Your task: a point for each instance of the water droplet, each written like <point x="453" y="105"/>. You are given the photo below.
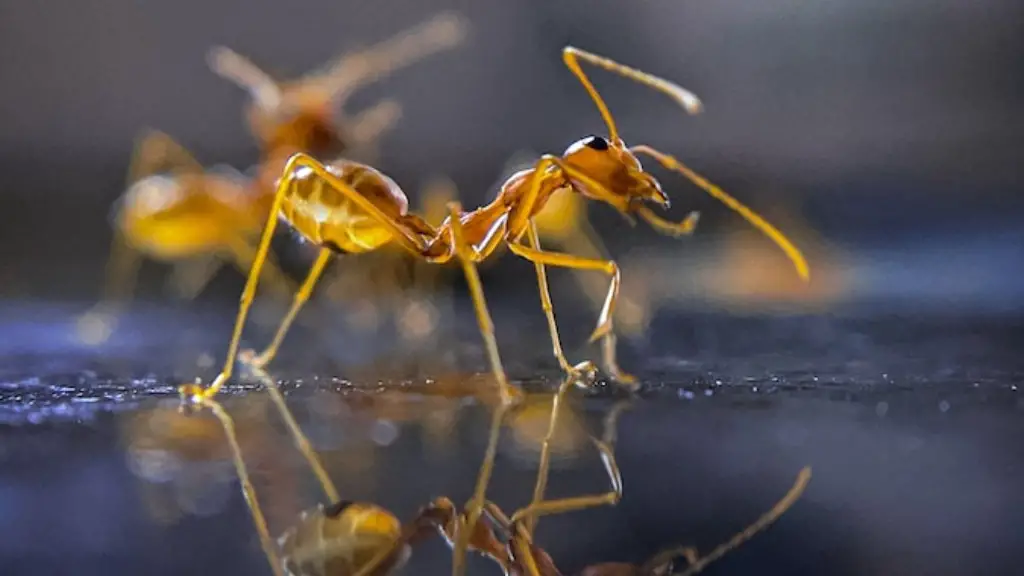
<point x="881" y="409"/>
<point x="943" y="406"/>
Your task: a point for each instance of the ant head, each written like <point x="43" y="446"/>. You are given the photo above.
<point x="611" y="173"/>
<point x="340" y="539"/>
<point x="300" y="120"/>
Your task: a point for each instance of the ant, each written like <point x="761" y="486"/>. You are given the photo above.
<point x="364" y="539"/>
<point x="349" y="208"/>
<point x="174" y="210"/>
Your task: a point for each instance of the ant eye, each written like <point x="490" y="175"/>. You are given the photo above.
<point x="596" y="143"/>
<point x="335" y="510"/>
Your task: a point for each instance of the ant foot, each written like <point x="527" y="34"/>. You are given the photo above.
<point x="584" y="374"/>
<point x="191" y="395"/>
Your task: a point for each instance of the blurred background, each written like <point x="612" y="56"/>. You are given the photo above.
<point x="883" y="137"/>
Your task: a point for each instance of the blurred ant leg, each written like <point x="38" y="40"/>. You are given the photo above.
<point x="368" y="125"/>
<point x="243" y="255"/>
<point x="564" y="505"/>
<point x="671" y="163"/>
<point x="238" y="69"/>
<point x="95" y="326"/>
<point x="474" y="508"/>
<point x="698" y="563"/>
<point x="354" y="70"/>
<point x="301" y="297"/>
<point x="604" y="325"/>
<point x="247" y="488"/>
<point x="157" y="152"/>
<point x="190" y="277"/>
<point x="298" y="436"/>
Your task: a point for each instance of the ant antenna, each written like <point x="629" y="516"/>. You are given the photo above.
<point x="698" y="563"/>
<point x="232" y="66"/>
<point x="571" y="56"/>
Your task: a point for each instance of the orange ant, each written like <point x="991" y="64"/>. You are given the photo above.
<point x="348" y="207"/>
<point x="303" y="115"/>
<point x="174" y="210"/>
<point x="364" y="539"/>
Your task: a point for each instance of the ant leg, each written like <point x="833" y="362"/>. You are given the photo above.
<point x="190" y="277"/>
<point x="545" y="452"/>
<point x="301" y="297"/>
<point x="368" y="125"/>
<point x="475" y="506"/>
<point x="792" y="252"/>
<point x="352" y="71"/>
<point x="155" y="152"/>
<point x="96" y="325"/>
<point x="583" y="370"/>
<point x="194" y="392"/>
<point x="247" y="488"/>
<point x="698" y="564"/>
<point x="563" y="505"/>
<point x="298" y="436"/>
<point x="604" y="325"/>
<point x="243" y="255"/>
<point x="236" y="68"/>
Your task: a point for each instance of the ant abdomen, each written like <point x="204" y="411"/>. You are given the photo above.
<point x="325" y="216"/>
<point x="340" y="539"/>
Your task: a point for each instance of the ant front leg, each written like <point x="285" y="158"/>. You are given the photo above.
<point x="584" y="371"/>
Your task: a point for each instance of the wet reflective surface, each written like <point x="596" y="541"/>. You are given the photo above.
<point x="912" y="427"/>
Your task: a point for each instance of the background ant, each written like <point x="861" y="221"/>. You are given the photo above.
<point x="177" y="212"/>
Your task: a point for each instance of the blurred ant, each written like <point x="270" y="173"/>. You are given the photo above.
<point x="176" y="211"/>
<point x="305" y="115"/>
<point x="350" y="208"/>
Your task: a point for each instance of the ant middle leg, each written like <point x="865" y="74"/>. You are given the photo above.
<point x="604" y="324"/>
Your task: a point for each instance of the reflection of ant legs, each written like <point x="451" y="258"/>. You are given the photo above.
<point x="538" y="506"/>
<point x="269" y="547"/>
